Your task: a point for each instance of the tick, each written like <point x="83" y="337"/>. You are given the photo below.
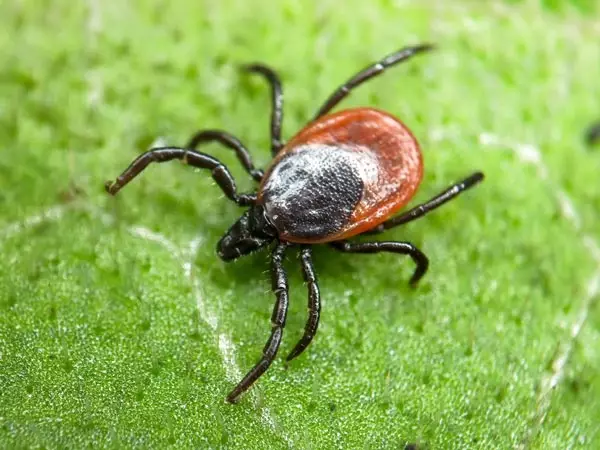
<point x="343" y="175"/>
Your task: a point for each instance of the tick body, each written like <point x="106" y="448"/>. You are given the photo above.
<point x="345" y="174"/>
<point x="340" y="176"/>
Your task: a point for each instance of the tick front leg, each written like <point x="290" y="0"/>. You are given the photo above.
<point x="367" y="73"/>
<point x="220" y="173"/>
<point x="314" y="304"/>
<point x="280" y="288"/>
<point x="227" y="140"/>
<point x="276" y="102"/>
<point x="404" y="248"/>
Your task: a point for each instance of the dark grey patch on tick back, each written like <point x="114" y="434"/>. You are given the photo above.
<point x="313" y="192"/>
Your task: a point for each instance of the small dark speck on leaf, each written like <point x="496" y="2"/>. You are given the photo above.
<point x="578" y="385"/>
<point x="592" y="135"/>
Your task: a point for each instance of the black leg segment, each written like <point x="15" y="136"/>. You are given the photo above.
<point x="430" y="205"/>
<point x="404" y="248"/>
<point x="195" y="159"/>
<point x="229" y="141"/>
<point x="276" y="102"/>
<point x="280" y="288"/>
<point x="314" y="304"/>
<point x="367" y="73"/>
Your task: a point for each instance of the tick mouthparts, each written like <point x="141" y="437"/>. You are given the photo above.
<point x="111" y="187"/>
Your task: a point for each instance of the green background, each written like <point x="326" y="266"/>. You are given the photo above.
<point x="108" y="338"/>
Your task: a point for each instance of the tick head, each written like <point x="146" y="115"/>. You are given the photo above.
<point x="251" y="232"/>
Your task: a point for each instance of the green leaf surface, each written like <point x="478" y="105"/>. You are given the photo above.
<point x="120" y="327"/>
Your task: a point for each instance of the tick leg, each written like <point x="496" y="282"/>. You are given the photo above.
<point x="229" y="141"/>
<point x="369" y="72"/>
<point x="276" y="102"/>
<point x="280" y="288"/>
<point x="404" y="248"/>
<point x="430" y="205"/>
<point x="220" y="173"/>
<point x="314" y="304"/>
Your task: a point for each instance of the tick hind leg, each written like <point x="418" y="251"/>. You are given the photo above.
<point x="403" y="248"/>
<point x="280" y="288"/>
<point x="276" y="102"/>
<point x="367" y="73"/>
<point x="219" y="172"/>
<point x="430" y="205"/>
<point x="229" y="141"/>
<point x="314" y="304"/>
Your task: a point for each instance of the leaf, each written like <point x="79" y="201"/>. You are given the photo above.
<point x="119" y="326"/>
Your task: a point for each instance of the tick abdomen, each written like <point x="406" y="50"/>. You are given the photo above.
<point x="343" y="174"/>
